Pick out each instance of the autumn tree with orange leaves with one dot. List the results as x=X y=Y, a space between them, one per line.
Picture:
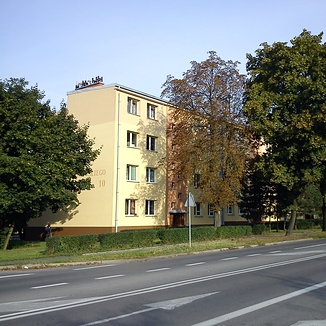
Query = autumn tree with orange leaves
x=209 y=129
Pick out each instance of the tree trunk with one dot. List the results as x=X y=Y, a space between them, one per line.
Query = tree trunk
x=217 y=219
x=293 y=218
x=11 y=230
x=324 y=213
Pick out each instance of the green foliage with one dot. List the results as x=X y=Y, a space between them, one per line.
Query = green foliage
x=233 y=231
x=203 y=233
x=71 y=244
x=44 y=155
x=128 y=239
x=173 y=236
x=259 y=229
x=303 y=224
x=285 y=105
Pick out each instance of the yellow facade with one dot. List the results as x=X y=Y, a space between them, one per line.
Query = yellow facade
x=132 y=188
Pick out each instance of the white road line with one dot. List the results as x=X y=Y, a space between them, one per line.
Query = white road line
x=317 y=245
x=253 y=255
x=261 y=305
x=157 y=270
x=89 y=301
x=91 y=267
x=275 y=252
x=15 y=275
x=230 y=258
x=111 y=276
x=48 y=285
x=195 y=264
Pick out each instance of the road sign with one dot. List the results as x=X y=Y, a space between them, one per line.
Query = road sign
x=190 y=202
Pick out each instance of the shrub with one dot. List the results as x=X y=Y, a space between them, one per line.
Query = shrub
x=203 y=233
x=173 y=236
x=233 y=231
x=259 y=229
x=308 y=224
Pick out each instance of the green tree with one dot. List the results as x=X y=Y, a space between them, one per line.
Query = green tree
x=44 y=156
x=285 y=104
x=208 y=129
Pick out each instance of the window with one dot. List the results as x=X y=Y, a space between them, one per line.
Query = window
x=130 y=207
x=197 y=209
x=230 y=210
x=132 y=106
x=150 y=207
x=240 y=211
x=131 y=173
x=196 y=180
x=150 y=175
x=151 y=111
x=132 y=139
x=179 y=195
x=151 y=143
x=173 y=185
x=172 y=204
x=210 y=211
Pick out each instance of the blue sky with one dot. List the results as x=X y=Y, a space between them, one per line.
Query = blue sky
x=137 y=43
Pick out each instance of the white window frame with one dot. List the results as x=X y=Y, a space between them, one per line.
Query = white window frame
x=210 y=212
x=151 y=143
x=130 y=207
x=230 y=210
x=240 y=211
x=132 y=139
x=151 y=111
x=149 y=207
x=197 y=209
x=150 y=175
x=132 y=106
x=130 y=174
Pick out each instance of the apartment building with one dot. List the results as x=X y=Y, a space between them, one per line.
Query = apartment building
x=133 y=187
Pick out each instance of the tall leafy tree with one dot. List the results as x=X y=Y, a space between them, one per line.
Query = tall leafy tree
x=286 y=106
x=44 y=155
x=208 y=129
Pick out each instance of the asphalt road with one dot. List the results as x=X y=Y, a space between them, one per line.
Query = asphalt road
x=278 y=285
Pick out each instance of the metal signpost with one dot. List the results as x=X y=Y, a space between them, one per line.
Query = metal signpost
x=190 y=202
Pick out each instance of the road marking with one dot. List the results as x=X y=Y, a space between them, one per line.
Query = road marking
x=253 y=255
x=15 y=275
x=105 y=277
x=258 y=306
x=275 y=252
x=166 y=305
x=195 y=264
x=48 y=285
x=317 y=245
x=91 y=267
x=88 y=301
x=310 y=323
x=157 y=270
x=230 y=258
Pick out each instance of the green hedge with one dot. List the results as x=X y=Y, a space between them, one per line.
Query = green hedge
x=259 y=229
x=308 y=224
x=128 y=239
x=233 y=231
x=142 y=238
x=71 y=244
